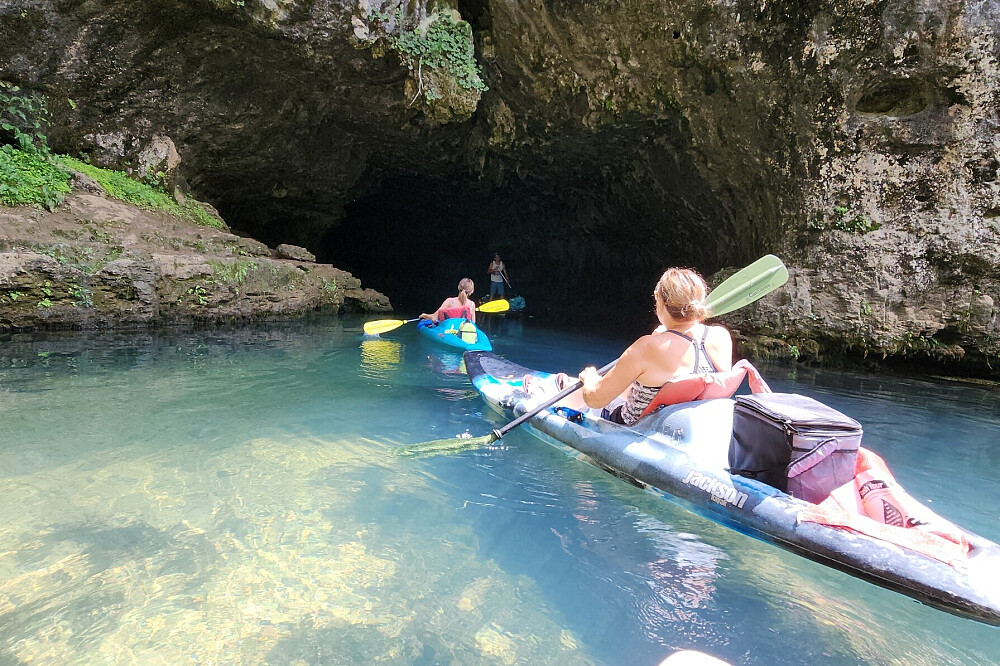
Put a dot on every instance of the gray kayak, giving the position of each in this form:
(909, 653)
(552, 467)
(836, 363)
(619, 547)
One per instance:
(681, 452)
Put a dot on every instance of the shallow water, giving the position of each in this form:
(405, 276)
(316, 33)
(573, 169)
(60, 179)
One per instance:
(234, 497)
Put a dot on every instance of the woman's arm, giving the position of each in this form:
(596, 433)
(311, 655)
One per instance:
(434, 316)
(599, 391)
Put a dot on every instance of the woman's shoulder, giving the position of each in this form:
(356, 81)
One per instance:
(717, 334)
(653, 344)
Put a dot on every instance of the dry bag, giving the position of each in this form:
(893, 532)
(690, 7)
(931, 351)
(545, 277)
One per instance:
(793, 443)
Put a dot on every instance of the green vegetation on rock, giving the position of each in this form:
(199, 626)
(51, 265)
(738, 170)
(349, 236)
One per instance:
(437, 49)
(858, 224)
(119, 186)
(22, 117)
(28, 174)
(446, 45)
(31, 179)
(234, 273)
(31, 176)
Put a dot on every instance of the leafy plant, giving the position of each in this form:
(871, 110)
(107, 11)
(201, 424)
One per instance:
(23, 117)
(82, 296)
(31, 178)
(859, 224)
(234, 273)
(199, 293)
(28, 175)
(330, 288)
(793, 351)
(45, 303)
(446, 45)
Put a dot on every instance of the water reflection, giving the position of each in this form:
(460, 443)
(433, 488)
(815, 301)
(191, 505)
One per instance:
(446, 363)
(379, 357)
(499, 327)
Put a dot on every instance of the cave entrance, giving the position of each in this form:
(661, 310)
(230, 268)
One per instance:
(416, 237)
(583, 252)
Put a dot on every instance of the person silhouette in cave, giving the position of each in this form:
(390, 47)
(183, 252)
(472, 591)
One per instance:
(498, 276)
(460, 306)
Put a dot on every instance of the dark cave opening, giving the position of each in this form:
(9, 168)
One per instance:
(414, 239)
(577, 265)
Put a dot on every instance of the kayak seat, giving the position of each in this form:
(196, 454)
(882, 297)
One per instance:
(708, 386)
(468, 332)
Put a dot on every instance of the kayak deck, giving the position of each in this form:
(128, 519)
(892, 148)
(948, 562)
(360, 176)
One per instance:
(455, 333)
(681, 452)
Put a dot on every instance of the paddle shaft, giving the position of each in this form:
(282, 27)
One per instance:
(577, 385)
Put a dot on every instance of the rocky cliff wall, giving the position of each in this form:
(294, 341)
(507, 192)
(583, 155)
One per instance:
(100, 263)
(855, 138)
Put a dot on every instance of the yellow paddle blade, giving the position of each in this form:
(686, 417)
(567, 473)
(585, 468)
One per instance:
(382, 326)
(495, 306)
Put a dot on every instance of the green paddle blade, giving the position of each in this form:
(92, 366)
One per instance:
(746, 286)
(446, 446)
(382, 326)
(494, 306)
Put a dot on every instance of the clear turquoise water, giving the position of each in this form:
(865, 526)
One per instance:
(233, 497)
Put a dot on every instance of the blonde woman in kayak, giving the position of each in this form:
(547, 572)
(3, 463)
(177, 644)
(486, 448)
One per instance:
(457, 306)
(681, 345)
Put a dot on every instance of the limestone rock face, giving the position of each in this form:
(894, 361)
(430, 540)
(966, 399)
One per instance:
(98, 263)
(286, 251)
(855, 139)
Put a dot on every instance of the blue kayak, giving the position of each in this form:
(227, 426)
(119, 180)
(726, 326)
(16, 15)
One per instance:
(681, 453)
(456, 334)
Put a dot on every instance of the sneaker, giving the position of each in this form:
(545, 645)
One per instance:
(563, 381)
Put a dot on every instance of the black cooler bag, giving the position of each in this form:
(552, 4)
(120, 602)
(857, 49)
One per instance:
(793, 443)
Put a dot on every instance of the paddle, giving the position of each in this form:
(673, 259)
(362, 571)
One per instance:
(746, 286)
(386, 325)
